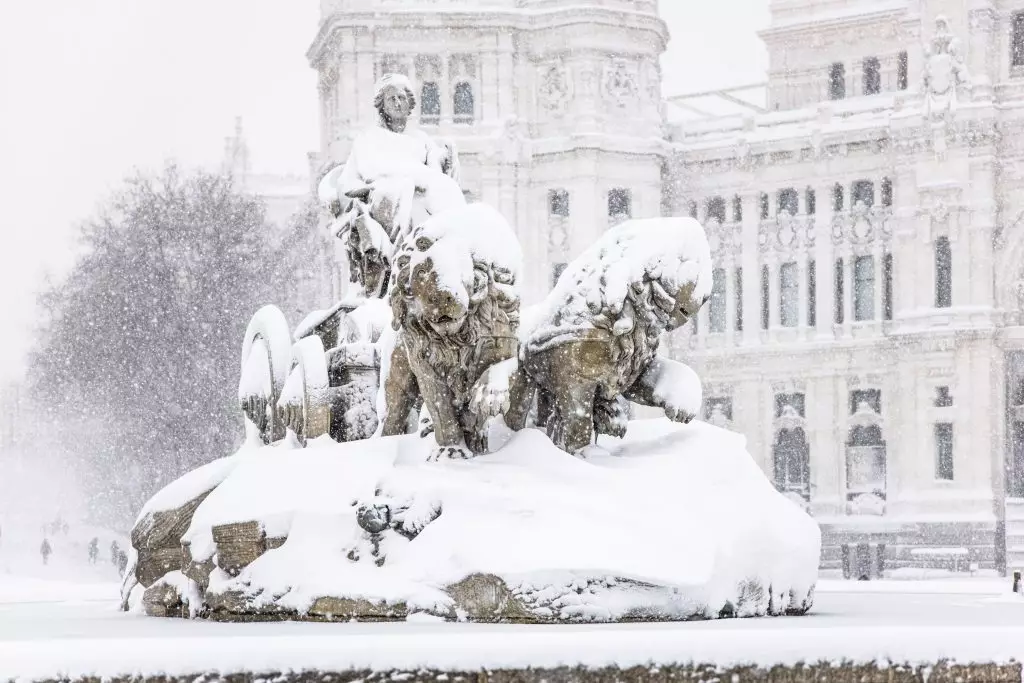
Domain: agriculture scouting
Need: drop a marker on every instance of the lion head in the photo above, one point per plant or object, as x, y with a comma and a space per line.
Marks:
642, 278
455, 284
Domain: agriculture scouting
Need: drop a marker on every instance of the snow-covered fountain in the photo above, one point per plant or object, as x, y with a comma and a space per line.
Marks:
454, 456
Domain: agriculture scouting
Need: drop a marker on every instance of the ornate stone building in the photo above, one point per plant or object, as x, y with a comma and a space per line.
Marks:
866, 330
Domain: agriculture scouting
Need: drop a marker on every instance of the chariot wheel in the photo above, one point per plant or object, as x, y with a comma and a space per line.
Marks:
266, 358
304, 402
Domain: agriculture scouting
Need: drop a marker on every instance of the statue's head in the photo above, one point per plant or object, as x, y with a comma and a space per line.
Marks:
394, 100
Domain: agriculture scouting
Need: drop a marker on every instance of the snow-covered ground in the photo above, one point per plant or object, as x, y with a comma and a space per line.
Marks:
901, 621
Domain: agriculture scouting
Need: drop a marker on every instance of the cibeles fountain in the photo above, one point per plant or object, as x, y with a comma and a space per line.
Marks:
428, 446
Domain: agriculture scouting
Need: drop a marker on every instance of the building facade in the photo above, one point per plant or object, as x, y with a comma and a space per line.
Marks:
866, 329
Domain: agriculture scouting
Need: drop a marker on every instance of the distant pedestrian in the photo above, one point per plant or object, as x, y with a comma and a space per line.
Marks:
94, 550
45, 549
122, 561
115, 551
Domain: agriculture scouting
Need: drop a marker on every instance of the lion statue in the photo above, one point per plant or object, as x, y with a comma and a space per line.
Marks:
592, 345
455, 309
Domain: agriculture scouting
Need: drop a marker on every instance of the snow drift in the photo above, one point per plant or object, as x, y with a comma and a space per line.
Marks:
672, 522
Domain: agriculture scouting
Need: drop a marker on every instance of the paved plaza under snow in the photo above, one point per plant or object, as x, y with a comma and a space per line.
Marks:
49, 629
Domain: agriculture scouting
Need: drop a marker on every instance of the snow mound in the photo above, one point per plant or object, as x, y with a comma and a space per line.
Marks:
672, 522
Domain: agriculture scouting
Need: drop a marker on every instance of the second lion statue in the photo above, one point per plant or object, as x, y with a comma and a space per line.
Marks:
592, 345
456, 313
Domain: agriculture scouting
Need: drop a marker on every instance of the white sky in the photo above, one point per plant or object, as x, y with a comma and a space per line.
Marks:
90, 89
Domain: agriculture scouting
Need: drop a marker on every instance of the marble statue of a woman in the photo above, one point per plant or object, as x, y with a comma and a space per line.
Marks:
398, 174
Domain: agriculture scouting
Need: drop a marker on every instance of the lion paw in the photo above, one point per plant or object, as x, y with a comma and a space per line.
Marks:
679, 414
491, 394
450, 453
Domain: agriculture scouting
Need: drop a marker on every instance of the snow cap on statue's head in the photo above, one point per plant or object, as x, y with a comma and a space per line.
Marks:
395, 79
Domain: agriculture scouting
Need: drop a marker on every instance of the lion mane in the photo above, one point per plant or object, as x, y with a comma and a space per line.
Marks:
493, 312
586, 304
456, 314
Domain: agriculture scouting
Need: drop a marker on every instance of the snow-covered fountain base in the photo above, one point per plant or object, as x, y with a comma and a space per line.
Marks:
671, 523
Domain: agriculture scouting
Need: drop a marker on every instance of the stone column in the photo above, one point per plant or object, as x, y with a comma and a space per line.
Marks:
982, 23
751, 271
802, 297
825, 454
729, 268
490, 86
774, 286
824, 264
848, 282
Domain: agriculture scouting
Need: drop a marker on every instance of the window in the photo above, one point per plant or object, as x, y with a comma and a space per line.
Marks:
788, 200
716, 209
1017, 46
430, 103
886, 192
763, 200
943, 273
837, 198
863, 191
872, 76
944, 451
737, 209
902, 71
722, 403
811, 201
838, 311
558, 203
837, 81
463, 103
864, 288
873, 397
739, 299
556, 272
620, 203
716, 306
812, 296
943, 399
796, 401
765, 284
789, 295
1018, 393
887, 287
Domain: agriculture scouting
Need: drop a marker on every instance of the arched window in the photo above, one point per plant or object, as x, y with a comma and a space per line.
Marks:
430, 103
715, 208
620, 203
788, 201
789, 295
792, 461
872, 69
863, 191
558, 203
463, 103
943, 273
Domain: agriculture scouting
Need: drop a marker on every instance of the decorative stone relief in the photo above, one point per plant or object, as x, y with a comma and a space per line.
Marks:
862, 226
620, 86
723, 238
652, 81
328, 77
554, 92
428, 68
461, 67
393, 64
789, 420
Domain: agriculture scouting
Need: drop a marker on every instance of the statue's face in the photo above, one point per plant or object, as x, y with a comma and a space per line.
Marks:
396, 103
687, 305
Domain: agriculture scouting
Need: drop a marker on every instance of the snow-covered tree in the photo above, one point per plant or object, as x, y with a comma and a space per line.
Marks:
137, 359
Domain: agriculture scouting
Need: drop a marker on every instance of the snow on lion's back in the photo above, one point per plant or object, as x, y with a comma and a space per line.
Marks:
672, 249
478, 230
